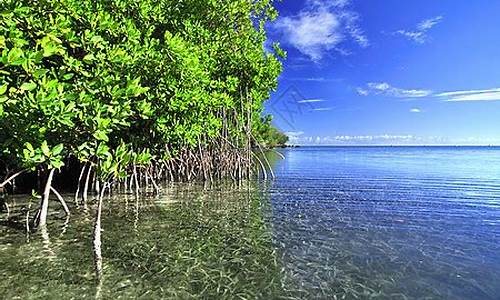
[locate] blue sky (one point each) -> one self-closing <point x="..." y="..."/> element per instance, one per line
<point x="388" y="72"/>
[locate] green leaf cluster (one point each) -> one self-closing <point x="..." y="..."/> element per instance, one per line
<point x="120" y="82"/>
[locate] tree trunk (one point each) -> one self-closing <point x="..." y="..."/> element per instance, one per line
<point x="44" y="205"/>
<point x="86" y="187"/>
<point x="136" y="182"/>
<point x="79" y="183"/>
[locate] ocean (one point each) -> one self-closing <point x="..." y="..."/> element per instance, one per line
<point x="335" y="223"/>
<point x="389" y="222"/>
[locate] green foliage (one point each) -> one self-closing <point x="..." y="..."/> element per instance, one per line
<point x="269" y="136"/>
<point x="43" y="154"/>
<point x="113" y="82"/>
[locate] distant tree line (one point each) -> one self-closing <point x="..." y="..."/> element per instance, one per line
<point x="268" y="135"/>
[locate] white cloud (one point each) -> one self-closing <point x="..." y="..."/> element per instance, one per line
<point x="429" y="23"/>
<point x="310" y="101"/>
<point x="331" y="3"/>
<point x="315" y="79"/>
<point x="377" y="139"/>
<point x="294" y="133"/>
<point x="322" y="109"/>
<point x="384" y="88"/>
<point x="392" y="139"/>
<point x="389" y="139"/>
<point x="468" y="92"/>
<point x="471" y="95"/>
<point x="415" y="110"/>
<point x="381" y="139"/>
<point x="319" y="79"/>
<point x="476" y="97"/>
<point x="294" y="136"/>
<point x="419" y="35"/>
<point x="321" y="27"/>
<point x="381" y="86"/>
<point x="362" y="92"/>
<point x="384" y="137"/>
<point x="388" y="90"/>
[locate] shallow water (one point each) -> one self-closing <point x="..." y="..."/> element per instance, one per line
<point x="336" y="223"/>
<point x="389" y="222"/>
<point x="194" y="241"/>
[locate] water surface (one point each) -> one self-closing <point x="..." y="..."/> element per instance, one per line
<point x="389" y="222"/>
<point x="336" y="223"/>
<point x="193" y="241"/>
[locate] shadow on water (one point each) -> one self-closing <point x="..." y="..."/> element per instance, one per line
<point x="194" y="241"/>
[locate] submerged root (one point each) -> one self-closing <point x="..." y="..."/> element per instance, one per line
<point x="10" y="179"/>
<point x="79" y="184"/>
<point x="61" y="200"/>
<point x="86" y="187"/>
<point x="6" y="209"/>
<point x="41" y="220"/>
<point x="136" y="182"/>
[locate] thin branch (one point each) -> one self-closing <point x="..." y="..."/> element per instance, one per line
<point x="61" y="200"/>
<point x="279" y="153"/>
<point x="8" y="180"/>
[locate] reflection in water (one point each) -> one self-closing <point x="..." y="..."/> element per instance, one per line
<point x="193" y="241"/>
<point x="46" y="244"/>
<point x="65" y="226"/>
<point x="337" y="223"/>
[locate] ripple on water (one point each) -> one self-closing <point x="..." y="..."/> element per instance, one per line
<point x="391" y="227"/>
<point x="349" y="223"/>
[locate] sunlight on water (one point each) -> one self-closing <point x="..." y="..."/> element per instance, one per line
<point x="337" y="223"/>
<point x="392" y="222"/>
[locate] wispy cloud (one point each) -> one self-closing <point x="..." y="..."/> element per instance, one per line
<point x="390" y="139"/>
<point x="471" y="95"/>
<point x="311" y="101"/>
<point x="384" y="137"/>
<point x="321" y="26"/>
<point x="429" y="23"/>
<point x="385" y="88"/>
<point x="419" y="34"/>
<point x="322" y="109"/>
<point x="362" y="92"/>
<point x="415" y="110"/>
<point x="294" y="133"/>
<point x="315" y="79"/>
<point x="380" y="139"/>
<point x="294" y="136"/>
<point x="319" y="79"/>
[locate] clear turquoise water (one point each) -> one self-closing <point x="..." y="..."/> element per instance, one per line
<point x="336" y="223"/>
<point x="389" y="222"/>
<point x="195" y="241"/>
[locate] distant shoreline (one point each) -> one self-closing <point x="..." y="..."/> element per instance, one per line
<point x="394" y="146"/>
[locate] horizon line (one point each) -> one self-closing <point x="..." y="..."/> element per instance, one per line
<point x="395" y="145"/>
